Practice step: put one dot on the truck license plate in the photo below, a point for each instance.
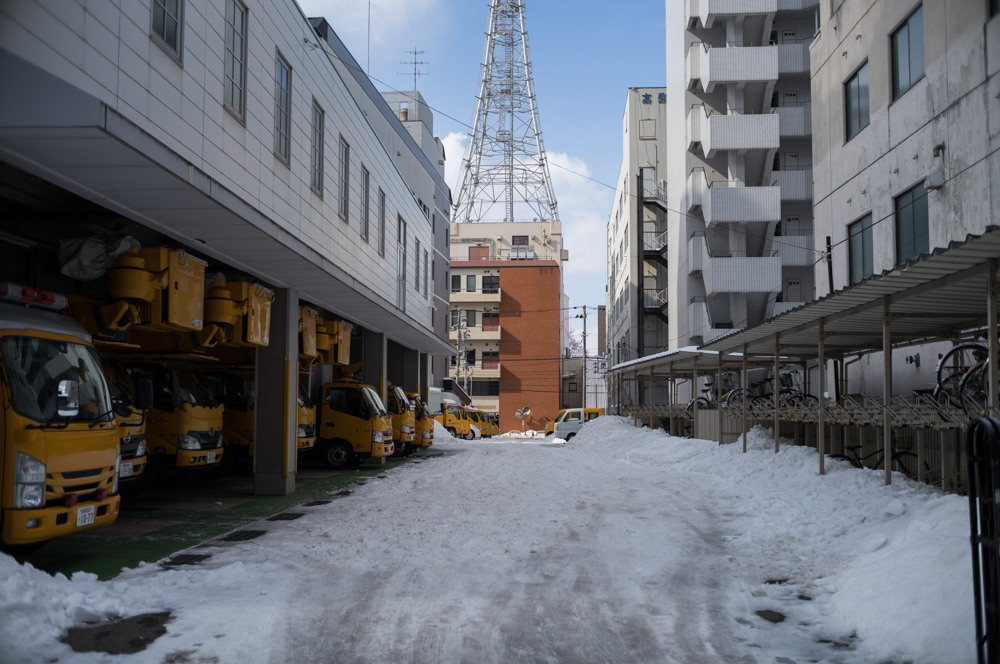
(85, 516)
(211, 457)
(125, 469)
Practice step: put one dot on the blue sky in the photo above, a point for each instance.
(585, 55)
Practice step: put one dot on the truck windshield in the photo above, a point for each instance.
(400, 404)
(373, 400)
(192, 387)
(34, 368)
(119, 382)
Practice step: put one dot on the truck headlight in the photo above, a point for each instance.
(301, 432)
(187, 442)
(140, 450)
(29, 482)
(405, 429)
(377, 437)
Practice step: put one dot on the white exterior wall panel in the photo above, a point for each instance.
(746, 64)
(740, 132)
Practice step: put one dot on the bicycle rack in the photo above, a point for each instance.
(983, 446)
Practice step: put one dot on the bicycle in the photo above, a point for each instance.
(900, 459)
(961, 373)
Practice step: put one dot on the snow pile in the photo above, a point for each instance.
(624, 544)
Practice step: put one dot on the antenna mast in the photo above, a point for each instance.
(416, 62)
(505, 175)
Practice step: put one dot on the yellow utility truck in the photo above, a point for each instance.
(354, 425)
(60, 441)
(404, 420)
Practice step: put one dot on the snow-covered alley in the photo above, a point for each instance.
(623, 545)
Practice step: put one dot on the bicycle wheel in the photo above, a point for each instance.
(853, 460)
(974, 384)
(954, 365)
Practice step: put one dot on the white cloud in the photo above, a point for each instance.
(584, 206)
(455, 145)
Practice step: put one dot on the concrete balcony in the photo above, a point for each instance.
(794, 250)
(695, 121)
(796, 5)
(793, 58)
(697, 253)
(464, 297)
(481, 334)
(738, 132)
(796, 121)
(479, 372)
(794, 185)
(698, 320)
(743, 275)
(735, 65)
(740, 205)
(708, 11)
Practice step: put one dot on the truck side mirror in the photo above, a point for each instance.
(143, 394)
(68, 398)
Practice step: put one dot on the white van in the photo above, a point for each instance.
(569, 421)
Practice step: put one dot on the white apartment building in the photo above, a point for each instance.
(907, 115)
(739, 180)
(638, 275)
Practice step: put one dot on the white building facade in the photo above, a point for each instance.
(740, 166)
(907, 99)
(638, 269)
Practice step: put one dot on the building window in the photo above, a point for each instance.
(318, 122)
(345, 179)
(426, 260)
(455, 318)
(908, 53)
(491, 283)
(491, 359)
(470, 358)
(485, 388)
(519, 240)
(912, 236)
(456, 283)
(491, 322)
(366, 202)
(571, 387)
(994, 7)
(856, 102)
(282, 107)
(470, 283)
(859, 249)
(470, 318)
(167, 24)
(416, 266)
(236, 57)
(381, 223)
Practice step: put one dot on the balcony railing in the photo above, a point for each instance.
(653, 298)
(654, 240)
(732, 65)
(736, 132)
(796, 121)
(795, 185)
(794, 250)
(743, 275)
(793, 58)
(709, 10)
(489, 295)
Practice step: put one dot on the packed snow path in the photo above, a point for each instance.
(623, 545)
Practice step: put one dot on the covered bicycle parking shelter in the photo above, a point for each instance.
(935, 297)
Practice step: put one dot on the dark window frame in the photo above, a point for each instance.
(903, 76)
(317, 152)
(235, 60)
(282, 108)
(159, 9)
(860, 252)
(857, 88)
(912, 224)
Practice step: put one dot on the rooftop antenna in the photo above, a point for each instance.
(416, 62)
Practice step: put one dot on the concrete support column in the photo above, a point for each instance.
(886, 390)
(275, 445)
(374, 360)
(776, 384)
(821, 416)
(991, 327)
(718, 398)
(744, 385)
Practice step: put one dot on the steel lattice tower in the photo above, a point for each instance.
(505, 175)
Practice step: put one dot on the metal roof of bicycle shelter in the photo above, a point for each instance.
(930, 297)
(934, 296)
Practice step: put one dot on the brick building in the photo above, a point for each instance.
(508, 317)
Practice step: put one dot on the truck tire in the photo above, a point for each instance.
(339, 454)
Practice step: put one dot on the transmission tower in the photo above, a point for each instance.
(505, 175)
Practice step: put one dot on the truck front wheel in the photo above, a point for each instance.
(339, 454)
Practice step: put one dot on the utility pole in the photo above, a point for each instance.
(585, 356)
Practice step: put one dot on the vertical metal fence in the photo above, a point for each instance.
(983, 445)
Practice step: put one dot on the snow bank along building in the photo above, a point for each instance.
(247, 136)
